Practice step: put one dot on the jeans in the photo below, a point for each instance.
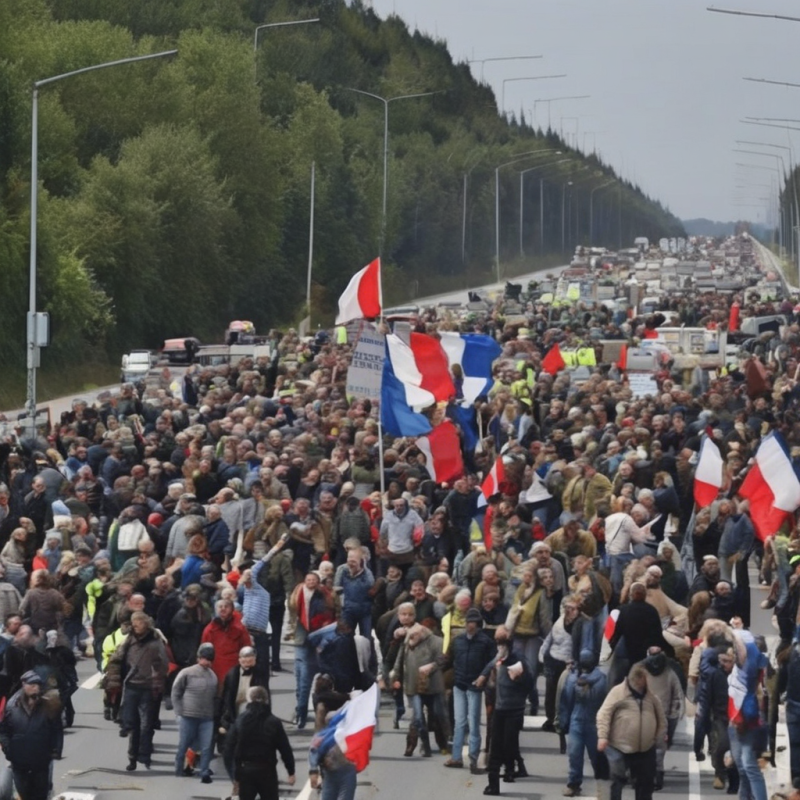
(617, 564)
(138, 716)
(339, 783)
(745, 753)
(197, 733)
(527, 648)
(467, 711)
(581, 737)
(793, 725)
(277, 610)
(359, 617)
(305, 667)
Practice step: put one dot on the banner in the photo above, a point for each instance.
(366, 369)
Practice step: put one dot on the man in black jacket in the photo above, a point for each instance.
(252, 746)
(249, 672)
(28, 737)
(469, 654)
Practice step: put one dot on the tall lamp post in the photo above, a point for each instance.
(529, 78)
(386, 101)
(591, 207)
(36, 326)
(554, 100)
(777, 157)
(260, 28)
(522, 175)
(483, 61)
(520, 157)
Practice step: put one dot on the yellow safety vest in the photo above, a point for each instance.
(586, 357)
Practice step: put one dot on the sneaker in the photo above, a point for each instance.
(548, 727)
(451, 762)
(700, 755)
(718, 782)
(571, 791)
(205, 779)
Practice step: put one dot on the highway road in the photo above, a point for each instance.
(95, 757)
(61, 404)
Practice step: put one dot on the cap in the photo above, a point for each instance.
(31, 677)
(473, 615)
(206, 650)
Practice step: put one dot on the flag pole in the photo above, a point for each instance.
(380, 410)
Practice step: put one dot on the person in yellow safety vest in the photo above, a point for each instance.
(528, 373)
(112, 642)
(586, 357)
(570, 358)
(341, 334)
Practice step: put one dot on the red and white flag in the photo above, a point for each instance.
(362, 297)
(708, 474)
(491, 484)
(771, 486)
(442, 449)
(354, 732)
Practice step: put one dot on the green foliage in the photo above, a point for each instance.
(175, 194)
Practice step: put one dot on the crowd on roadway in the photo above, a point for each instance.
(187, 541)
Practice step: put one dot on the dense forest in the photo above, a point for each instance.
(175, 193)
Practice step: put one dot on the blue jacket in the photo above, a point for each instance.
(355, 590)
(581, 698)
(219, 538)
(470, 656)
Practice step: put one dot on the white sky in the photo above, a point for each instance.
(665, 80)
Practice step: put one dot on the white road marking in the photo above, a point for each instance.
(93, 681)
(305, 792)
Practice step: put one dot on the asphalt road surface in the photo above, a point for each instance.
(95, 757)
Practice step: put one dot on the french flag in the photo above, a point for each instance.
(352, 729)
(491, 484)
(362, 297)
(442, 449)
(415, 376)
(772, 486)
(708, 474)
(474, 353)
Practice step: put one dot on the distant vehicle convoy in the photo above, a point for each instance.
(136, 365)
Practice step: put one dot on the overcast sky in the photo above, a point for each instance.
(665, 80)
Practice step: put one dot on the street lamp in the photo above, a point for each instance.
(520, 157)
(591, 207)
(541, 199)
(35, 334)
(780, 210)
(563, 203)
(386, 101)
(529, 78)
(279, 25)
(556, 99)
(483, 61)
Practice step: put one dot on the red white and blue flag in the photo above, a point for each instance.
(708, 474)
(442, 449)
(772, 486)
(415, 376)
(352, 729)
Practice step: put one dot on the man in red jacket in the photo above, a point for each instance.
(228, 636)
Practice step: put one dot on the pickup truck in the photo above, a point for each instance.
(136, 365)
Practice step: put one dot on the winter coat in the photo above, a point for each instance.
(630, 724)
(194, 692)
(256, 739)
(228, 639)
(421, 647)
(144, 661)
(230, 690)
(356, 597)
(219, 538)
(470, 655)
(278, 577)
(510, 694)
(664, 684)
(581, 698)
(352, 525)
(558, 644)
(42, 609)
(185, 632)
(530, 614)
(712, 689)
(29, 739)
(125, 542)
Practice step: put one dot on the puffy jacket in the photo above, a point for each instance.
(631, 725)
(194, 692)
(558, 644)
(28, 740)
(219, 538)
(470, 656)
(512, 694)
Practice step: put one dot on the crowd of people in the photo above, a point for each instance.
(187, 540)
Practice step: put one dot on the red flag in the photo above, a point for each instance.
(553, 362)
(622, 361)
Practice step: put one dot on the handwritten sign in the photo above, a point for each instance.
(642, 384)
(366, 369)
